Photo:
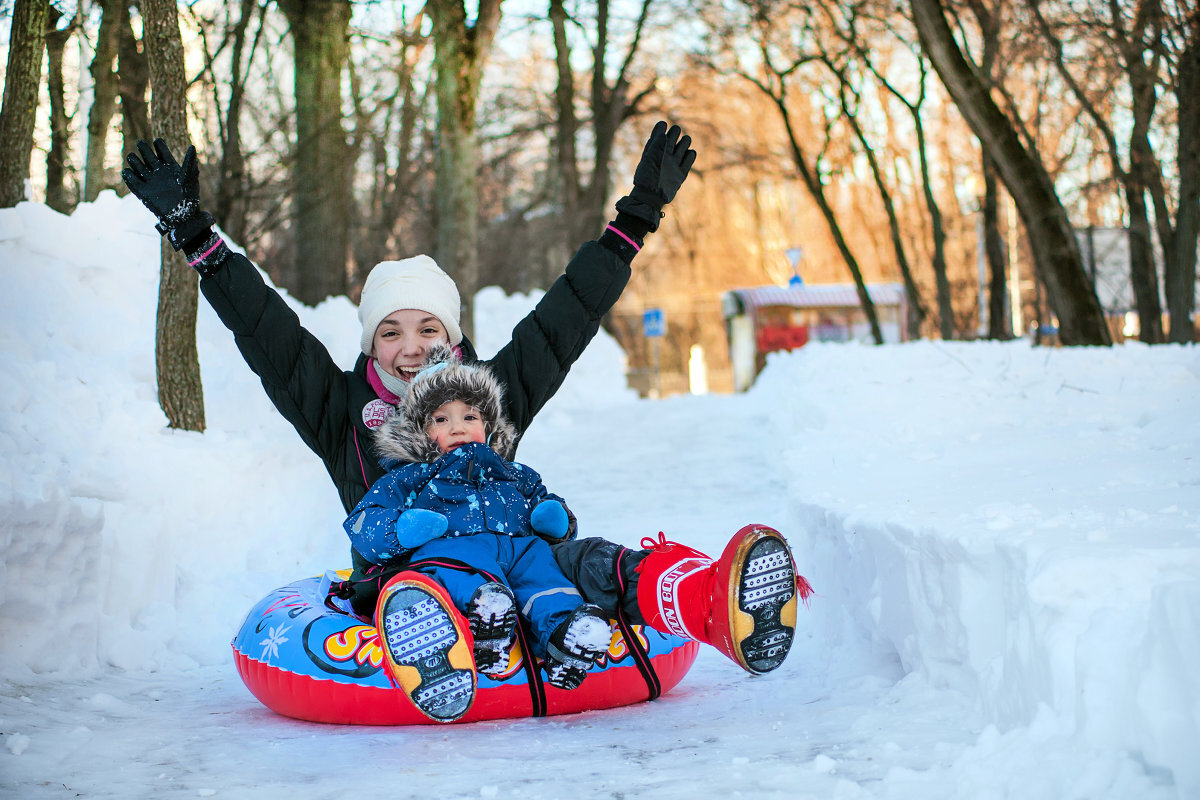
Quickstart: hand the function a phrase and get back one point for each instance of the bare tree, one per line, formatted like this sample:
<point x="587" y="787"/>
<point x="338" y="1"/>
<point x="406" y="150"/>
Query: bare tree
<point x="460" y="50"/>
<point x="774" y="81"/>
<point x="322" y="166"/>
<point x="267" y="129"/>
<point x="1181" y="266"/>
<point x="1141" y="57"/>
<point x="777" y="90"/>
<point x="134" y="73"/>
<point x="990" y="19"/>
<point x="232" y="181"/>
<point x="58" y="196"/>
<point x="19" y="109"/>
<point x="585" y="198"/>
<point x="849" y="99"/>
<point x="230" y="207"/>
<point x="856" y="56"/>
<point x="391" y="125"/>
<point x="105" y="85"/>
<point x="1056" y="253"/>
<point x="1140" y="54"/>
<point x="180" y="393"/>
<point x="999" y="324"/>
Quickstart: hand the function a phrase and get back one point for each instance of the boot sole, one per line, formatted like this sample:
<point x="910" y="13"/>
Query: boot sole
<point x="766" y="596"/>
<point x="420" y="637"/>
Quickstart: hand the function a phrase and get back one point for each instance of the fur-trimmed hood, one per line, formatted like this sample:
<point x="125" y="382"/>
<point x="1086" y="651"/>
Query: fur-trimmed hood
<point x="402" y="438"/>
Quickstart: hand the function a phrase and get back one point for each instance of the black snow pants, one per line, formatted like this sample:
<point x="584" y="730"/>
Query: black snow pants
<point x="591" y="564"/>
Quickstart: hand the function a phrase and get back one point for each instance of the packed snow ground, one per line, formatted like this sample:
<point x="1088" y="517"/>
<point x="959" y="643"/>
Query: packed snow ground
<point x="1004" y="541"/>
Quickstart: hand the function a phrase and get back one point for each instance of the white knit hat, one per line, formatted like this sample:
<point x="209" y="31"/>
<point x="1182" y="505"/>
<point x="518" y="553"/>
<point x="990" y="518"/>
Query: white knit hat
<point x="416" y="282"/>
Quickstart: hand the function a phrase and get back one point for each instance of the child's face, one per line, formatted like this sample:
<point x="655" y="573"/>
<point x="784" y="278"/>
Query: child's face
<point x="456" y="423"/>
<point x="403" y="339"/>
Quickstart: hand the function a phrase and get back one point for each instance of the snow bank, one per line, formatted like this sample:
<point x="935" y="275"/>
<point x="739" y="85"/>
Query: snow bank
<point x="150" y="544"/>
<point x="1018" y="525"/>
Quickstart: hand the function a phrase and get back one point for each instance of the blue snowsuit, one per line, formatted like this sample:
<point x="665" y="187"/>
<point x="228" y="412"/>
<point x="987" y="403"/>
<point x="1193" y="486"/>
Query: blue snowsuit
<point x="487" y="501"/>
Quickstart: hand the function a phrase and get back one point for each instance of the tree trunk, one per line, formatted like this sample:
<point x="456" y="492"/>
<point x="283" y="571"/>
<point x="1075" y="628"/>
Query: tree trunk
<point x="610" y="106"/>
<point x="134" y="74"/>
<point x="999" y="320"/>
<point x="585" y="206"/>
<point x="27" y="41"/>
<point x="566" y="127"/>
<point x="1142" y="164"/>
<point x="322" y="167"/>
<point x="387" y="232"/>
<point x="941" y="272"/>
<point x="1052" y="239"/>
<point x="1181" y="267"/>
<point x="180" y="393"/>
<point x="916" y="307"/>
<point x="230" y="207"/>
<point x="817" y="191"/>
<point x="459" y="52"/>
<point x="104" y="96"/>
<point x="58" y="196"/>
<point x="889" y="206"/>
<point x="990" y="19"/>
<point x="1143" y="275"/>
<point x="1134" y="46"/>
<point x="1144" y="50"/>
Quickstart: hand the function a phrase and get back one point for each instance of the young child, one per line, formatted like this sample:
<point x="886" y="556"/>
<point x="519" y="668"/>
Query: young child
<point x="451" y="494"/>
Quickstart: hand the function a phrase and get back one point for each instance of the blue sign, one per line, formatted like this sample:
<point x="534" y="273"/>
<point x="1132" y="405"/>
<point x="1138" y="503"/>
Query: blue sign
<point x="654" y="323"/>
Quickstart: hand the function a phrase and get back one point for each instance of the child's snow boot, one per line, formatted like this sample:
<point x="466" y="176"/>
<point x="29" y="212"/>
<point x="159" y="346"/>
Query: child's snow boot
<point x="575" y="645"/>
<point x="492" y="617"/>
<point x="427" y="649"/>
<point x="743" y="604"/>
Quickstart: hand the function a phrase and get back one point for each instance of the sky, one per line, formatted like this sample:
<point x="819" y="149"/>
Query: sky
<point x="1004" y="542"/>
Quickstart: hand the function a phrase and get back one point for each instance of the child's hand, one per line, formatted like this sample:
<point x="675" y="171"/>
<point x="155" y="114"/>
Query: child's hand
<point x="550" y="519"/>
<point x="417" y="526"/>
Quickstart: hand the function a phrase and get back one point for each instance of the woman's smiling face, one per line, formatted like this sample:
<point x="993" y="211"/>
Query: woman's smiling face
<point x="403" y="339"/>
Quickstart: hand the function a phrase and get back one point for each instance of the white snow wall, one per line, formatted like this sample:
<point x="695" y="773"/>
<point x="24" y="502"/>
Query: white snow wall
<point x="1011" y="593"/>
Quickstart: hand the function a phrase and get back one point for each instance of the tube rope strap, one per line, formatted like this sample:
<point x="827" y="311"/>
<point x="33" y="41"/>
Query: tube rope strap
<point x="632" y="642"/>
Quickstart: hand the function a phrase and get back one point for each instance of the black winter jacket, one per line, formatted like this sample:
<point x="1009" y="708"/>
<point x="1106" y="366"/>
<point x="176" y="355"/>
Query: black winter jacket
<point x="325" y="404"/>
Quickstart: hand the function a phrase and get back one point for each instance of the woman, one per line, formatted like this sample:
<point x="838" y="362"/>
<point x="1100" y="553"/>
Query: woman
<point x="744" y="603"/>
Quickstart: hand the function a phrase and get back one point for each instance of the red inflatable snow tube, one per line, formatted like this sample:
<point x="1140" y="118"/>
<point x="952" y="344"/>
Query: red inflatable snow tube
<point x="304" y="660"/>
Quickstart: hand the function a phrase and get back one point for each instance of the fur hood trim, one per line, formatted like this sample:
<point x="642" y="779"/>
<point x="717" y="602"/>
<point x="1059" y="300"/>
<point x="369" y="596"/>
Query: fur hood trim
<point x="402" y="438"/>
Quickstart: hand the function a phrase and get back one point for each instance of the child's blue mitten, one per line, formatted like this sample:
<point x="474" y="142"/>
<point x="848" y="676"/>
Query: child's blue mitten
<point x="550" y="519"/>
<point x="417" y="526"/>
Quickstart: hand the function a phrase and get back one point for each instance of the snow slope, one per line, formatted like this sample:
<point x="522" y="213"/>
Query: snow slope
<point x="1005" y="544"/>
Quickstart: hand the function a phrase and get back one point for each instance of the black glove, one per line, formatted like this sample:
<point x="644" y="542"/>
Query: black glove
<point x="170" y="190"/>
<point x="665" y="162"/>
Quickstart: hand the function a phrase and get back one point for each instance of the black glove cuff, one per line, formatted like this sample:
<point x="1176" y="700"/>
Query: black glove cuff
<point x="190" y="229"/>
<point x="620" y="240"/>
<point x="184" y="223"/>
<point x="636" y="227"/>
<point x="644" y="205"/>
<point x="199" y="243"/>
<point x="206" y="255"/>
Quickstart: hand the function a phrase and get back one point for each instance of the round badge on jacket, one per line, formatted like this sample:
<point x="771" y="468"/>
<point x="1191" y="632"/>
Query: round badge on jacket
<point x="376" y="412"/>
